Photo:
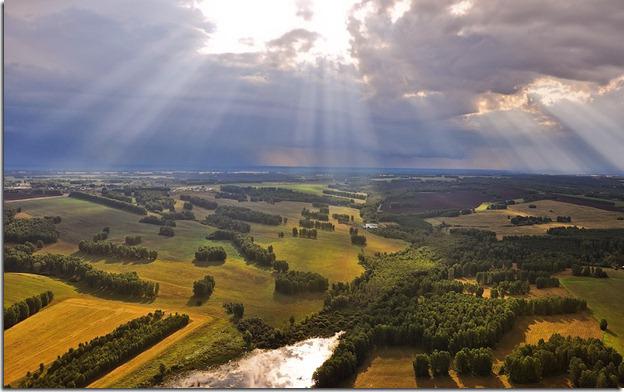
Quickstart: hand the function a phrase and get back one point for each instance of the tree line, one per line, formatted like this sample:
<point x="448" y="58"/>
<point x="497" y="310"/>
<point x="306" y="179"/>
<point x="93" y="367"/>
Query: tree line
<point x="350" y="195"/>
<point x="293" y="282"/>
<point x="21" y="310"/>
<point x="122" y="205"/>
<point x="529" y="220"/>
<point x="178" y="215"/>
<point x="226" y="223"/>
<point x="107" y="248"/>
<point x="304" y="233"/>
<point x="318" y="215"/>
<point x="249" y="215"/>
<point x="276" y="195"/>
<point x="81" y="365"/>
<point x="73" y="269"/>
<point x="200" y="201"/>
<point x="596" y="272"/>
<point x="314" y="224"/>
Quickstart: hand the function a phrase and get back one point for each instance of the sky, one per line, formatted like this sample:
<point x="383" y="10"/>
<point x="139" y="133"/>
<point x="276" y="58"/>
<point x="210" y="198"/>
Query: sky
<point x="532" y="85"/>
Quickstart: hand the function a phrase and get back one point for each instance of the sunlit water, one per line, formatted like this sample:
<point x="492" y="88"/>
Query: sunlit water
<point x="286" y="367"/>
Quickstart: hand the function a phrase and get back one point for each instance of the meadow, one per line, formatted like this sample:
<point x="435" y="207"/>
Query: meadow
<point x="602" y="297"/>
<point x="83" y="315"/>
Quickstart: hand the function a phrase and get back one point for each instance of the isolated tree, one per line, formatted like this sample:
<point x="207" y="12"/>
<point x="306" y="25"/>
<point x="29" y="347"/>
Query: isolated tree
<point x="603" y="324"/>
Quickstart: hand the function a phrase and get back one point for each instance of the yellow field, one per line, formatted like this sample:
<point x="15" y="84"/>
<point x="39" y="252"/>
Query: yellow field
<point x="55" y="329"/>
<point x="497" y="221"/>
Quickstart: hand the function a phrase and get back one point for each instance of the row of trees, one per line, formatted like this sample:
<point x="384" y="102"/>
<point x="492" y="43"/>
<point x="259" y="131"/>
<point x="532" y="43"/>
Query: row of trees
<point x="199" y="201"/>
<point x="81" y="365"/>
<point x="596" y="272"/>
<point x="317" y="215"/>
<point x="304" y="233"/>
<point x="544" y="282"/>
<point x="158" y="220"/>
<point x="21" y="310"/>
<point x="249" y="215"/>
<point x="588" y="362"/>
<point x="350" y="195"/>
<point x="314" y="224"/>
<point x="245" y="245"/>
<point x="226" y="223"/>
<point x="122" y="205"/>
<point x="529" y="220"/>
<point x="75" y="269"/>
<point x="107" y="248"/>
<point x="275" y="195"/>
<point x="210" y="253"/>
<point x="293" y="282"/>
<point x="475" y="361"/>
<point x="178" y="215"/>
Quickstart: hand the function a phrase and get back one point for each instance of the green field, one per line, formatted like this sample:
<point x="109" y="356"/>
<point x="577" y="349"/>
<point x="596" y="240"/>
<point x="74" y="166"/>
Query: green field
<point x="602" y="296"/>
<point x="18" y="286"/>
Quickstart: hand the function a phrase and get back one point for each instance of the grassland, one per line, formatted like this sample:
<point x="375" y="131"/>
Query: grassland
<point x="18" y="286"/>
<point x="81" y="316"/>
<point x="497" y="220"/>
<point x="602" y="296"/>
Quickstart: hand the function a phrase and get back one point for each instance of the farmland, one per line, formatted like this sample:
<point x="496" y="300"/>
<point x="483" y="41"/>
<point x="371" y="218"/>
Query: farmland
<point x="237" y="281"/>
<point x="387" y="266"/>
<point x="498" y="221"/>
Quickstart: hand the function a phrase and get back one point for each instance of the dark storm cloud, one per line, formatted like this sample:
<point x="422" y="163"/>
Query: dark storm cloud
<point x="105" y="83"/>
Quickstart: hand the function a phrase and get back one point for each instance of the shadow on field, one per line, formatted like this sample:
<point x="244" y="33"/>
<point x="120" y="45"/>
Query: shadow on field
<point x="208" y="263"/>
<point x="108" y="259"/>
<point x="83" y="288"/>
<point x="292" y="298"/>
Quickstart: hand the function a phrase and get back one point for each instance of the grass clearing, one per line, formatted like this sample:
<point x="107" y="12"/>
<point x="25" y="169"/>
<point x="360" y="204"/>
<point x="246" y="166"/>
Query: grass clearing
<point x="602" y="296"/>
<point x="496" y="220"/>
<point x="19" y="286"/>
